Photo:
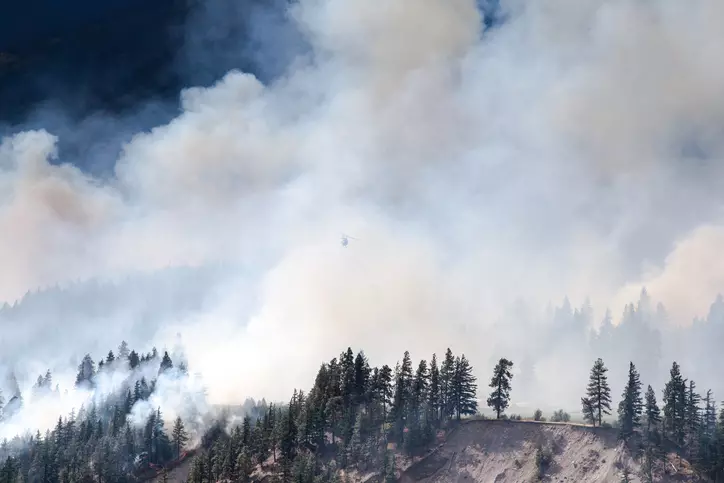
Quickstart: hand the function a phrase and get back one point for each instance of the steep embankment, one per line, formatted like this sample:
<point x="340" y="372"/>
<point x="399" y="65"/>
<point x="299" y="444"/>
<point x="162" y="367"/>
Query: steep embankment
<point x="505" y="452"/>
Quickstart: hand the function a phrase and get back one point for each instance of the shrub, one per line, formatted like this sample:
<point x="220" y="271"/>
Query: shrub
<point x="538" y="415"/>
<point x="543" y="459"/>
<point x="561" y="416"/>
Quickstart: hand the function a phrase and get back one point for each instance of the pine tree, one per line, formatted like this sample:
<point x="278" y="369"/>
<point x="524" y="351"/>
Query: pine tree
<point x="631" y="406"/>
<point x="402" y="396"/>
<point x="361" y="377"/>
<point x="500" y="397"/>
<point x="346" y="360"/>
<point x="384" y="389"/>
<point x="433" y="396"/>
<point x="246" y="431"/>
<point x="589" y="411"/>
<point x="166" y="363"/>
<point x="406" y="376"/>
<point x="598" y="392"/>
<point x="464" y="388"/>
<point x="133" y="360"/>
<point x="709" y="414"/>
<point x="179" y="436"/>
<point x="355" y="445"/>
<point x="693" y="411"/>
<point x="288" y="443"/>
<point x="675" y="403"/>
<point x="123" y="350"/>
<point x="653" y="414"/>
<point x="447" y="372"/>
<point x="419" y="391"/>
<point x="86" y="372"/>
<point x="719" y="467"/>
<point x="47" y="380"/>
<point x="707" y="437"/>
<point x="244" y="466"/>
<point x="692" y="420"/>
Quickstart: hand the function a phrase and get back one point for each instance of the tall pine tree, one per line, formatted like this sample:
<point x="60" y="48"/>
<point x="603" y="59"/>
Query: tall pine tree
<point x="653" y="414"/>
<point x="631" y="406"/>
<point x="500" y="397"/>
<point x="675" y="404"/>
<point x="598" y="392"/>
<point x="447" y="372"/>
<point x="464" y="388"/>
<point x="433" y="396"/>
<point x="179" y="436"/>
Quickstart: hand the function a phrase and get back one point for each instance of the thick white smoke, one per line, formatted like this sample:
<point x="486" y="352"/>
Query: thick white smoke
<point x="573" y="150"/>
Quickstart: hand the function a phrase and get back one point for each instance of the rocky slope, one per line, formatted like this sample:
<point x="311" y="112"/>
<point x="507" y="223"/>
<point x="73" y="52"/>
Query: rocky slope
<point x="506" y="452"/>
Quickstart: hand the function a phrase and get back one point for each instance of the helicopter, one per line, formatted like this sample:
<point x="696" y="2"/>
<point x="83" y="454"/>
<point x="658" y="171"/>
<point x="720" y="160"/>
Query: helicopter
<point x="346" y="238"/>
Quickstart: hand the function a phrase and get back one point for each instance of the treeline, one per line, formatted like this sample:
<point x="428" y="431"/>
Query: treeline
<point x="347" y="420"/>
<point x="687" y="420"/>
<point x="99" y="443"/>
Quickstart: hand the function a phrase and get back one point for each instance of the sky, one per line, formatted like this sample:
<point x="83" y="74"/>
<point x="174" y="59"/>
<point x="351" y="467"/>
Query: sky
<point x="573" y="150"/>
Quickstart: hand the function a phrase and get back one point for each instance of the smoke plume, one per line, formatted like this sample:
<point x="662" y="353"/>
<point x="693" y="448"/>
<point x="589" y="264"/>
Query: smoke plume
<point x="572" y="150"/>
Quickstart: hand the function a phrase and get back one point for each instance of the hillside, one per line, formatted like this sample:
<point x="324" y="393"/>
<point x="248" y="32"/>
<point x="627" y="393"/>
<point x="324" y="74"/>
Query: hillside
<point x="505" y="452"/>
<point x="357" y="423"/>
<point x="480" y="451"/>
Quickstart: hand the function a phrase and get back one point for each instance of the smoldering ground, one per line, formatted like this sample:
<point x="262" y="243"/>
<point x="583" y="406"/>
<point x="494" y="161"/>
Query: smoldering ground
<point x="571" y="150"/>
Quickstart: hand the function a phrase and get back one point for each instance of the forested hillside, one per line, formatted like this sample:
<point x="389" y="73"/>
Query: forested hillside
<point x="107" y="440"/>
<point x="355" y="420"/>
<point x="350" y="412"/>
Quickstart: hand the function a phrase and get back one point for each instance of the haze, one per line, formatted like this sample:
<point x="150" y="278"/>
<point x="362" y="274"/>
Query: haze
<point x="573" y="149"/>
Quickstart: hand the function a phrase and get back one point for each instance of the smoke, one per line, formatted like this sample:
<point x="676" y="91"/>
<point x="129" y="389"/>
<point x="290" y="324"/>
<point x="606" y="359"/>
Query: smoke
<point x="572" y="150"/>
<point x="176" y="393"/>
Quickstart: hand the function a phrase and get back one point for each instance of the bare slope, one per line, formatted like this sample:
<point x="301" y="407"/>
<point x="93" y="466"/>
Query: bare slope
<point x="505" y="452"/>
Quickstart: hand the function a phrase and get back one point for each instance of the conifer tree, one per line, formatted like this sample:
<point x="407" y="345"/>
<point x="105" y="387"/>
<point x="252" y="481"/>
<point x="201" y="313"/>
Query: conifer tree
<point x="166" y="363"/>
<point x="361" y="377"/>
<point x="589" y="411"/>
<point x="287" y="444"/>
<point x="719" y="467"/>
<point x="179" y="436"/>
<point x="133" y="360"/>
<point x="464" y="388"/>
<point x="675" y="404"/>
<point x="123" y="350"/>
<point x="384" y="388"/>
<point x="500" y="382"/>
<point x="598" y="392"/>
<point x="653" y="414"/>
<point x="419" y="390"/>
<point x="433" y="397"/>
<point x="355" y="444"/>
<point x="346" y="360"/>
<point x="406" y="376"/>
<point x="693" y="411"/>
<point x="692" y="420"/>
<point x="707" y="437"/>
<point x="447" y="372"/>
<point x="631" y="406"/>
<point x="402" y="395"/>
<point x="86" y="372"/>
<point x="244" y="466"/>
<point x="709" y="414"/>
<point x="246" y="431"/>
